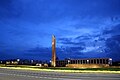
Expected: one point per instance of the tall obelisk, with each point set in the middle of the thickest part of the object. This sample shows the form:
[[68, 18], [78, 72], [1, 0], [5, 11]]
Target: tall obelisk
[[53, 62]]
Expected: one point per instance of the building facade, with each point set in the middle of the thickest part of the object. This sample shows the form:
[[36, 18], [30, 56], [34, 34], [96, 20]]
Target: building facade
[[85, 63]]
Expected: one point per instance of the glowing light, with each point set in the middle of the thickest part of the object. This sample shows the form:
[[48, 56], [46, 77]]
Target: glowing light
[[18, 60], [110, 59], [87, 60]]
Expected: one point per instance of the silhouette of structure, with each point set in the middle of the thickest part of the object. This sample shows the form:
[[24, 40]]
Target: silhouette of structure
[[53, 62]]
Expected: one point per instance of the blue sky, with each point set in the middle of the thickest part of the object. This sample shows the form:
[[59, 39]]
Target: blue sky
[[83, 28]]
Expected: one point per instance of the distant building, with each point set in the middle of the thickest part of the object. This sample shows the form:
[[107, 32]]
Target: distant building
[[82, 63], [12, 62], [22, 62]]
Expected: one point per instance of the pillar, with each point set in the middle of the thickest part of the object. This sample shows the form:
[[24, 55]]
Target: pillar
[[53, 62]]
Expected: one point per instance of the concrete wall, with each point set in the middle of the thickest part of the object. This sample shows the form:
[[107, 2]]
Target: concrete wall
[[87, 65]]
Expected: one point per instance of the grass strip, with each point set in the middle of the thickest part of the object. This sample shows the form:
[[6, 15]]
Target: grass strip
[[64, 69]]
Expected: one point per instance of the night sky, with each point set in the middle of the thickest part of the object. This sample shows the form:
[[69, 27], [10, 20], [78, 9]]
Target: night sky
[[83, 29]]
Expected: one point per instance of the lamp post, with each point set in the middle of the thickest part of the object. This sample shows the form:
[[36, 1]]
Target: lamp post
[[32, 61], [18, 60], [110, 61], [1, 62], [68, 61], [87, 61]]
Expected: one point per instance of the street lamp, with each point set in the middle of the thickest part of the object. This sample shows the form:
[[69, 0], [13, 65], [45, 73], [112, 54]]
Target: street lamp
[[68, 61], [87, 61], [18, 60], [31, 61], [110, 61]]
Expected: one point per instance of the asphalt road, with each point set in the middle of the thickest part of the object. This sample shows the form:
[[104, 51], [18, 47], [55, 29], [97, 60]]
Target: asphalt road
[[10, 74]]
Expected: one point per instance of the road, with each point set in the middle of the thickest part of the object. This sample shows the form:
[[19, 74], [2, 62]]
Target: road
[[11, 74]]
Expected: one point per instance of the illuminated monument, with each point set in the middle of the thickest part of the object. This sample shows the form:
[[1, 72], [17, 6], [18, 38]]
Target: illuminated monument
[[53, 62]]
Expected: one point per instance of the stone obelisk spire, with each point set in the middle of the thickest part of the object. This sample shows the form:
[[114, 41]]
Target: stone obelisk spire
[[53, 62]]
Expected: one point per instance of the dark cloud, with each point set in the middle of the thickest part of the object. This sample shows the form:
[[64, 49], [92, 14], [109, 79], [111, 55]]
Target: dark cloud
[[73, 48], [113, 47], [107, 46], [46, 53], [84, 37], [65, 39], [47, 11], [68, 41], [107, 32], [69, 52], [113, 31], [113, 42], [101, 39], [39, 52]]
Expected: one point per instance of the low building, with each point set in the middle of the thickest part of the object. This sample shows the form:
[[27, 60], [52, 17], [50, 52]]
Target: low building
[[85, 63]]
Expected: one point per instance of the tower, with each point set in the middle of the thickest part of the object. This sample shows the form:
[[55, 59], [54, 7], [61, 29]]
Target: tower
[[53, 62]]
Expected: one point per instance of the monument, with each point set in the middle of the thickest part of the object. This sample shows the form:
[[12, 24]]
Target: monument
[[53, 62]]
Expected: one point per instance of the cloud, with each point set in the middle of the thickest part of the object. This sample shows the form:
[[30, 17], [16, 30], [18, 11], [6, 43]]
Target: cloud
[[84, 37], [42, 50], [72, 47], [113, 47], [114, 30], [39, 52], [46, 52], [71, 41], [112, 42]]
